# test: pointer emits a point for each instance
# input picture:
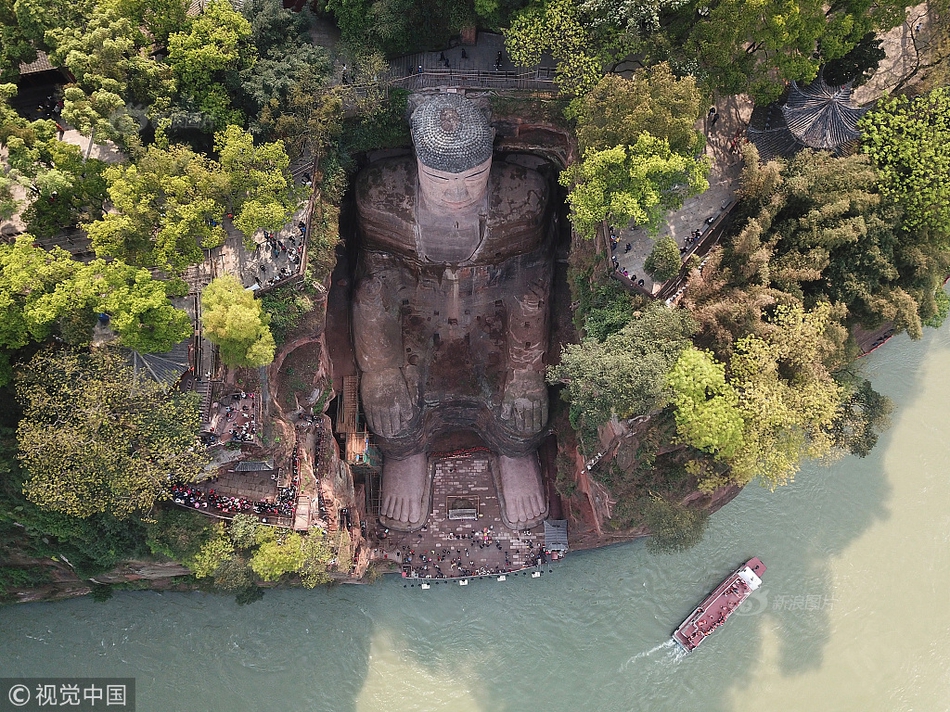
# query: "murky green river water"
(854, 613)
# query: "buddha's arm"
(525, 403)
(389, 388)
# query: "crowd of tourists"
(279, 255)
(241, 418)
(458, 561)
(211, 501)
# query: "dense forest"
(744, 377)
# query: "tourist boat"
(719, 605)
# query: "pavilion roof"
(820, 116)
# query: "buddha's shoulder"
(387, 178)
(516, 191)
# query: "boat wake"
(655, 649)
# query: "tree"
(318, 556)
(278, 552)
(672, 526)
(664, 260)
(708, 416)
(737, 47)
(581, 48)
(96, 440)
(48, 293)
(108, 56)
(64, 188)
(234, 320)
(166, 208)
(909, 142)
(625, 374)
(259, 188)
(617, 110)
(810, 230)
(636, 183)
(206, 56)
(213, 554)
(397, 27)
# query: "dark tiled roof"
(40, 64)
(817, 116)
(820, 116)
(555, 534)
(450, 134)
(165, 369)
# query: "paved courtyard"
(724, 138)
(447, 548)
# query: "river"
(853, 615)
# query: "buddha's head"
(453, 149)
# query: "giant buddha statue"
(450, 314)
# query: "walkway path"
(698, 212)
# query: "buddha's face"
(453, 191)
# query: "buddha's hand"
(390, 401)
(525, 404)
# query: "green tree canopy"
(163, 208)
(49, 293)
(617, 110)
(625, 374)
(109, 57)
(582, 47)
(664, 260)
(909, 142)
(94, 439)
(259, 188)
(234, 320)
(814, 229)
(707, 407)
(278, 552)
(638, 183)
(206, 56)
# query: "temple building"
(816, 116)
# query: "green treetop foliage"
(94, 439)
(909, 142)
(287, 59)
(581, 47)
(170, 204)
(707, 407)
(638, 183)
(664, 260)
(46, 293)
(34, 18)
(211, 51)
(234, 320)
(673, 527)
(318, 556)
(218, 549)
(737, 47)
(776, 404)
(109, 56)
(259, 187)
(278, 552)
(160, 18)
(397, 27)
(63, 189)
(15, 47)
(617, 110)
(625, 374)
(163, 206)
(818, 229)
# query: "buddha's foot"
(523, 504)
(406, 489)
